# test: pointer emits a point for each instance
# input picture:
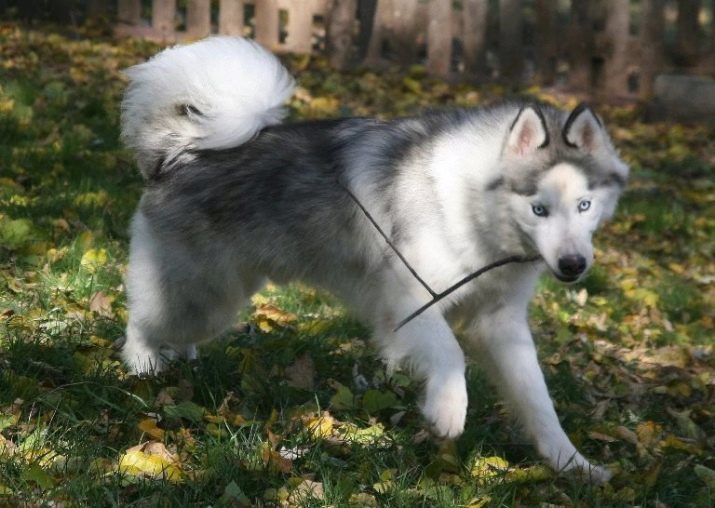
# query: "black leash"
(436, 297)
(389, 242)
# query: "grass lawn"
(292, 408)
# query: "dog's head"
(564, 178)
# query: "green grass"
(628, 353)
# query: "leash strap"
(436, 297)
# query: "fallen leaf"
(14, 233)
(148, 426)
(93, 259)
(301, 374)
(306, 490)
(648, 433)
(532, 474)
(151, 460)
(485, 469)
(343, 397)
(274, 314)
(321, 427)
(186, 410)
(100, 303)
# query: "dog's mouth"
(569, 279)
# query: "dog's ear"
(528, 132)
(583, 129)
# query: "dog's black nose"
(573, 265)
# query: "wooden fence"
(280, 25)
(609, 48)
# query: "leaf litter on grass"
(293, 408)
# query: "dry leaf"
(101, 303)
(305, 490)
(301, 374)
(274, 314)
(148, 426)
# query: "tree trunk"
(439, 38)
(474, 38)
(198, 18)
(230, 17)
(511, 45)
(688, 32)
(651, 43)
(546, 40)
(341, 32)
(615, 82)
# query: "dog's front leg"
(509, 356)
(427, 346)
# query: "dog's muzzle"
(571, 267)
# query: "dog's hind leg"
(177, 296)
(508, 355)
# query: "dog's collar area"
(436, 297)
(451, 289)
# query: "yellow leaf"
(92, 199)
(148, 426)
(86, 239)
(93, 259)
(324, 105)
(321, 427)
(538, 473)
(362, 499)
(479, 502)
(486, 468)
(258, 299)
(239, 421)
(151, 460)
(370, 436)
(648, 433)
(648, 297)
(275, 314)
(676, 443)
(264, 325)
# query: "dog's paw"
(580, 467)
(597, 475)
(445, 406)
(143, 361)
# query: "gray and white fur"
(234, 198)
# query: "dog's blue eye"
(584, 205)
(539, 210)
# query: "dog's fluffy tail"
(212, 94)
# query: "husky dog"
(233, 197)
